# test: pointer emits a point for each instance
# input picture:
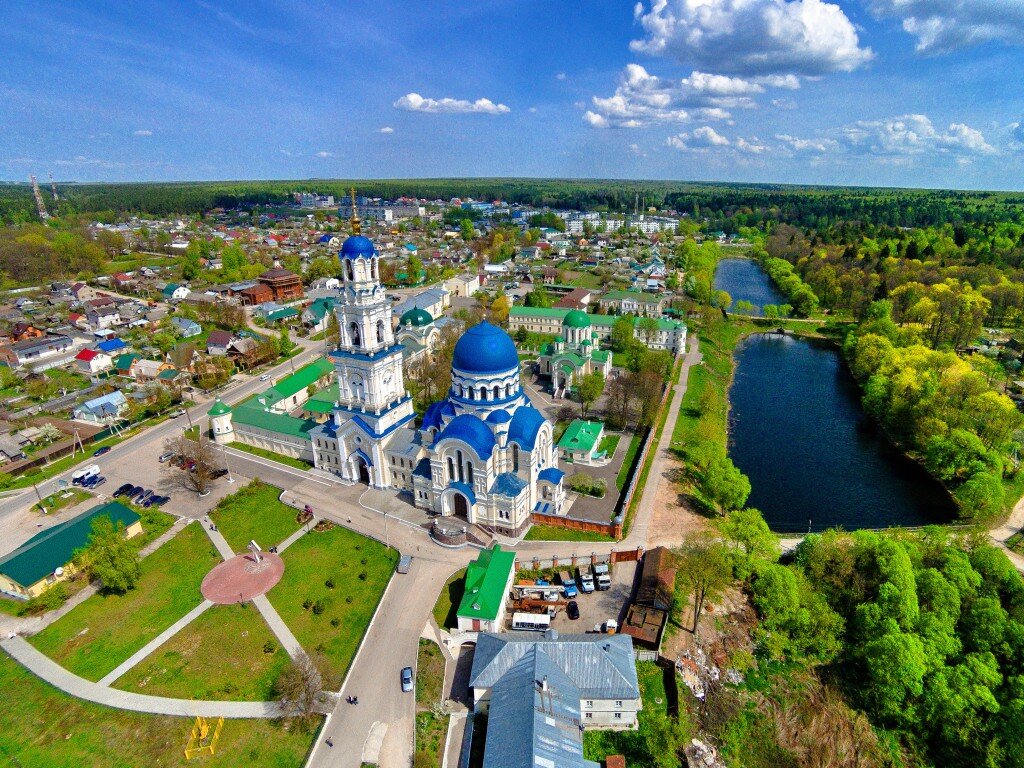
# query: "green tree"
(466, 230)
(725, 484)
(704, 570)
(622, 337)
(589, 388)
(110, 557)
(747, 529)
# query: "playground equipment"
(200, 740)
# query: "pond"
(814, 458)
(744, 280)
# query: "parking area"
(597, 607)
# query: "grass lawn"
(48, 728)
(66, 498)
(557, 533)
(431, 732)
(627, 461)
(429, 675)
(278, 457)
(608, 444)
(154, 523)
(254, 512)
(360, 569)
(193, 664)
(448, 602)
(105, 630)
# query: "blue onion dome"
(416, 317)
(485, 348)
(356, 247)
(500, 416)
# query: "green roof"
(168, 374)
(416, 317)
(302, 378)
(251, 413)
(596, 320)
(324, 400)
(600, 355)
(581, 436)
(281, 314)
(321, 307)
(576, 319)
(219, 408)
(54, 548)
(486, 579)
(124, 362)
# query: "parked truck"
(586, 579)
(568, 584)
(602, 579)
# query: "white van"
(84, 474)
(538, 622)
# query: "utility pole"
(42, 506)
(227, 464)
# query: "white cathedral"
(484, 453)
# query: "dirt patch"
(725, 629)
(674, 520)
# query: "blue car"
(101, 451)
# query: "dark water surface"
(798, 431)
(743, 279)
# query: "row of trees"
(939, 408)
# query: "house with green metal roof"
(45, 559)
(292, 391)
(488, 581)
(318, 314)
(580, 440)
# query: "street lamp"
(227, 463)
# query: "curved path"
(53, 673)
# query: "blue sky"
(881, 92)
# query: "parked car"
(122, 490)
(218, 473)
(79, 475)
(404, 563)
(572, 610)
(142, 498)
(97, 481)
(166, 456)
(158, 501)
(134, 494)
(265, 377)
(407, 680)
(177, 413)
(100, 451)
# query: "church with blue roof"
(484, 453)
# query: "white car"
(265, 377)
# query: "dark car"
(407, 680)
(122, 490)
(572, 610)
(159, 501)
(142, 498)
(218, 473)
(136, 493)
(101, 451)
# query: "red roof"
(86, 355)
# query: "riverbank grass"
(96, 636)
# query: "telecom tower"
(53, 189)
(40, 205)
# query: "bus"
(537, 622)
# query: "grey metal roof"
(600, 666)
(534, 703)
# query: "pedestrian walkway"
(156, 642)
(277, 626)
(45, 668)
(225, 550)
(297, 535)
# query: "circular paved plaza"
(241, 578)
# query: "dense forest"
(726, 207)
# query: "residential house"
(256, 294)
(112, 345)
(149, 370)
(10, 449)
(83, 292)
(78, 320)
(549, 275)
(186, 327)
(577, 298)
(175, 292)
(103, 409)
(462, 285)
(218, 341)
(541, 693)
(100, 318)
(123, 281)
(124, 365)
(41, 353)
(92, 361)
(22, 330)
(183, 355)
(284, 285)
(46, 558)
(318, 314)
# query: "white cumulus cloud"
(413, 102)
(324, 153)
(903, 136)
(386, 129)
(143, 132)
(941, 26)
(701, 138)
(753, 38)
(642, 99)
